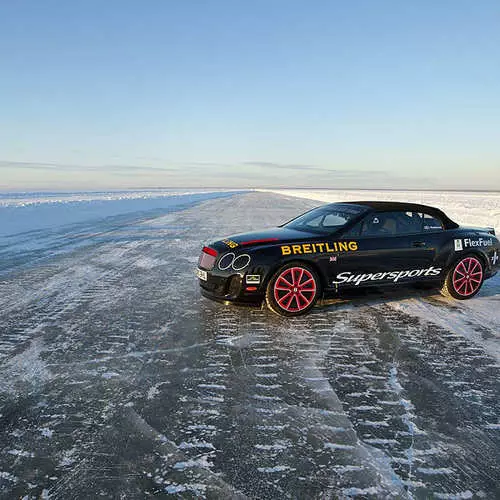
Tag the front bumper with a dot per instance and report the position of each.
(226, 287)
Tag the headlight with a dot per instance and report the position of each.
(235, 262)
(241, 262)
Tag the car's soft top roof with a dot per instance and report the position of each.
(388, 206)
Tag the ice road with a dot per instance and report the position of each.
(118, 380)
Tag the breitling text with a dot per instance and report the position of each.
(323, 247)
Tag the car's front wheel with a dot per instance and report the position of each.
(293, 290)
(464, 279)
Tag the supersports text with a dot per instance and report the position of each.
(395, 276)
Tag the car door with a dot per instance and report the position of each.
(387, 242)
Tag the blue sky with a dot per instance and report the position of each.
(379, 94)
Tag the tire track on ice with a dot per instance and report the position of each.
(296, 439)
(200, 428)
(382, 369)
(65, 424)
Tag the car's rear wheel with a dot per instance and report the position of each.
(465, 278)
(293, 290)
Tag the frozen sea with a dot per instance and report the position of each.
(118, 380)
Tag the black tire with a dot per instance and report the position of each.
(464, 278)
(293, 290)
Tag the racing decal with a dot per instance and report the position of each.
(230, 243)
(395, 276)
(480, 242)
(494, 259)
(260, 240)
(325, 247)
(252, 279)
(458, 245)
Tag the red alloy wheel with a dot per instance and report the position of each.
(294, 289)
(467, 276)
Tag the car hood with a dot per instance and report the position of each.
(276, 235)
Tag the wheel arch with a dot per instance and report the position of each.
(470, 253)
(483, 258)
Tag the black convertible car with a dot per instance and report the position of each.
(347, 245)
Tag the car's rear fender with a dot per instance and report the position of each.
(480, 254)
(473, 243)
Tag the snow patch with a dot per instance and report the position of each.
(198, 489)
(8, 476)
(434, 471)
(46, 432)
(338, 446)
(276, 468)
(455, 496)
(202, 462)
(356, 492)
(25, 369)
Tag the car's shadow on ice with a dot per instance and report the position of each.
(491, 288)
(371, 296)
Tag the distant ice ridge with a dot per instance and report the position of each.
(471, 208)
(36, 198)
(23, 212)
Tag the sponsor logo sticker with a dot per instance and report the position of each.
(230, 243)
(494, 259)
(322, 247)
(458, 245)
(252, 279)
(395, 276)
(202, 275)
(480, 242)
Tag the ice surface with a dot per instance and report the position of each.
(35, 226)
(120, 380)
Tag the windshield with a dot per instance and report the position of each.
(326, 219)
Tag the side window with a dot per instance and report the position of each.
(395, 224)
(354, 232)
(315, 222)
(409, 223)
(379, 224)
(431, 224)
(327, 221)
(392, 224)
(333, 220)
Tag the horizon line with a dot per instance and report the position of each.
(157, 188)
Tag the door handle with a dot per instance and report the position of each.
(419, 243)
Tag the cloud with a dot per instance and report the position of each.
(316, 168)
(62, 167)
(285, 166)
(182, 166)
(210, 173)
(28, 165)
